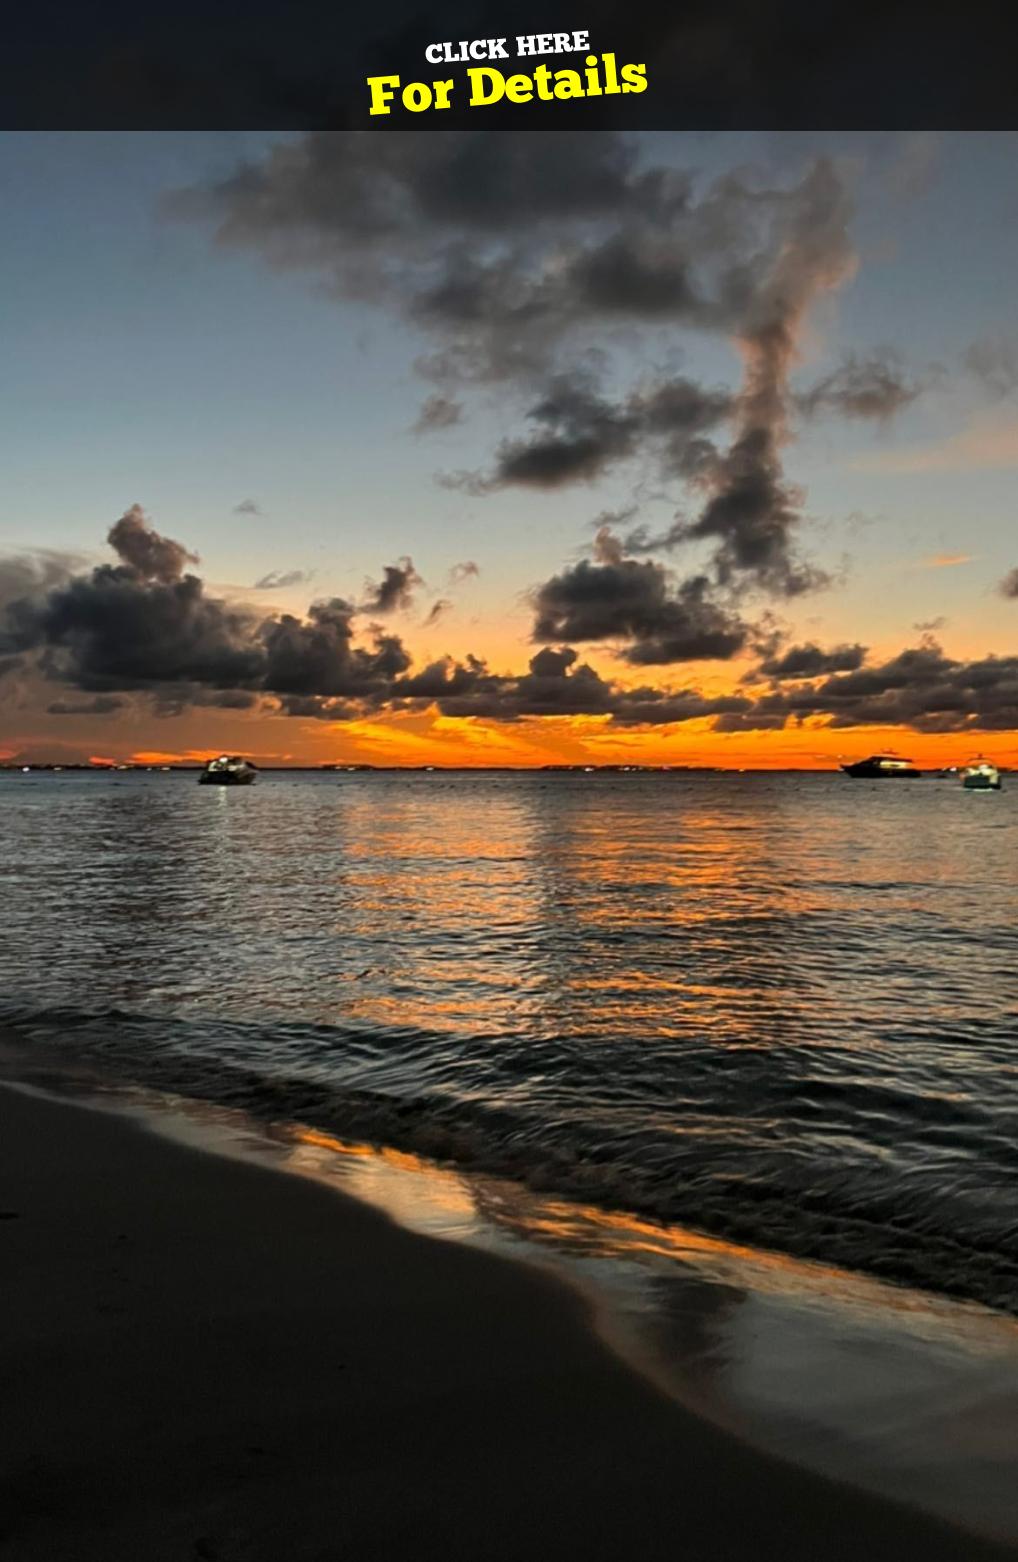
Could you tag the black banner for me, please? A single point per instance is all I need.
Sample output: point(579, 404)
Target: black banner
point(793, 65)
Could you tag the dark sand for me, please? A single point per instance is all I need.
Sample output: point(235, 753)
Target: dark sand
point(202, 1359)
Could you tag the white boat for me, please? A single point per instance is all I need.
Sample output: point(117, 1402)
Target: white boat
point(981, 775)
point(228, 770)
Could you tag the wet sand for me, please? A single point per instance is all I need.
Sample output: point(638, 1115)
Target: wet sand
point(205, 1359)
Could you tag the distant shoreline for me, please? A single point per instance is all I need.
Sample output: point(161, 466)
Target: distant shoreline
point(515, 770)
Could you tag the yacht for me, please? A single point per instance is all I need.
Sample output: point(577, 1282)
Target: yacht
point(879, 765)
point(228, 770)
point(981, 775)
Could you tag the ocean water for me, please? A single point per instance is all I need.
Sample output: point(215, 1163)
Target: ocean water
point(779, 1010)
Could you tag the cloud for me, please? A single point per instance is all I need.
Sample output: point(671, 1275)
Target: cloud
point(139, 622)
point(247, 507)
point(143, 552)
point(316, 655)
point(946, 560)
point(467, 570)
point(579, 435)
point(277, 581)
point(145, 625)
point(438, 608)
point(505, 249)
point(170, 699)
point(928, 626)
point(919, 687)
point(809, 661)
point(101, 705)
point(434, 226)
point(626, 600)
point(557, 683)
point(752, 512)
point(23, 580)
point(1009, 585)
point(438, 412)
point(395, 589)
point(874, 387)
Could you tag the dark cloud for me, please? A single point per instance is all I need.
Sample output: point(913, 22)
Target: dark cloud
point(875, 387)
point(809, 661)
point(641, 272)
point(145, 624)
point(780, 250)
point(137, 623)
point(177, 699)
point(626, 600)
point(928, 626)
point(642, 540)
point(1009, 585)
point(316, 708)
point(919, 688)
point(580, 435)
point(101, 705)
point(467, 570)
point(505, 249)
point(752, 513)
point(395, 589)
point(457, 231)
point(438, 412)
point(316, 655)
point(438, 608)
point(276, 580)
point(39, 571)
point(754, 720)
point(751, 517)
point(247, 507)
point(500, 244)
point(143, 552)
point(24, 582)
point(557, 683)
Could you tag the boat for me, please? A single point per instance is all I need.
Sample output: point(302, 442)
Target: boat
point(881, 765)
point(981, 775)
point(228, 770)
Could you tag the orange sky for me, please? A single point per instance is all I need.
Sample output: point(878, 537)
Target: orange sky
point(431, 739)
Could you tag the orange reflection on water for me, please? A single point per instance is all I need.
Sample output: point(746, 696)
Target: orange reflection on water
point(330, 1142)
point(432, 1198)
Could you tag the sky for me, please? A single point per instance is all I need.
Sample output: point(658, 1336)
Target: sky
point(499, 448)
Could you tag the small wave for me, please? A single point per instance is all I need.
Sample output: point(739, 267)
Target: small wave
point(742, 1177)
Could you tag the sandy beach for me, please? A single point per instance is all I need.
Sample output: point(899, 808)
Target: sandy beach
point(205, 1359)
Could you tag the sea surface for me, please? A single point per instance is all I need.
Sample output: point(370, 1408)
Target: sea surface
point(781, 1010)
